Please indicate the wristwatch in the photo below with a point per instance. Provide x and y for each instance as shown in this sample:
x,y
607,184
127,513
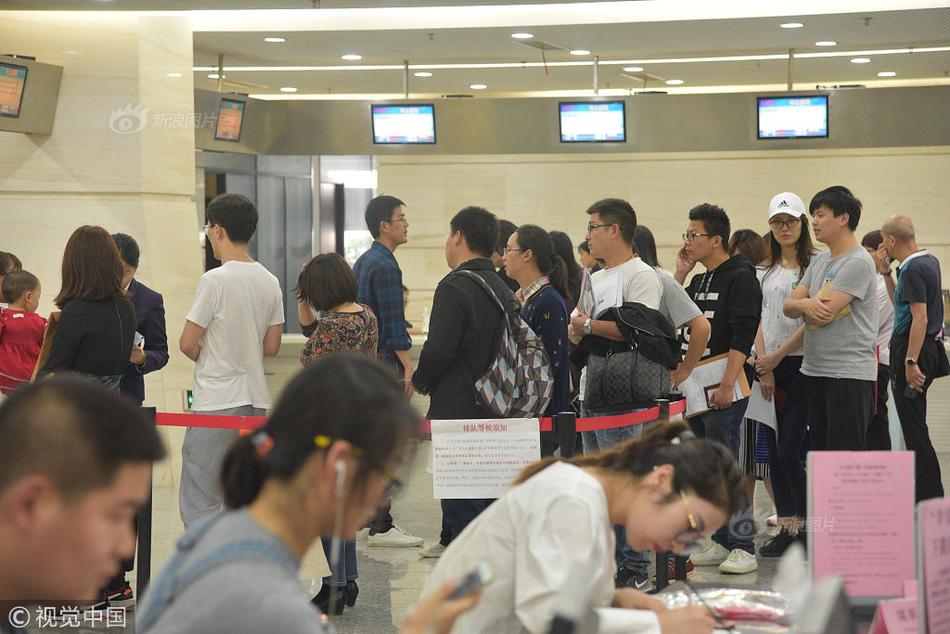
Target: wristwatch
x,y
910,361
587,327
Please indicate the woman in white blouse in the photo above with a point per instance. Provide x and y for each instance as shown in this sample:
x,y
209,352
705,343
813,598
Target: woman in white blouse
x,y
549,541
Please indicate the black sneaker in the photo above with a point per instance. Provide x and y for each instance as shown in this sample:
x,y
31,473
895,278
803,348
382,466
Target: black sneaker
x,y
124,598
777,546
631,579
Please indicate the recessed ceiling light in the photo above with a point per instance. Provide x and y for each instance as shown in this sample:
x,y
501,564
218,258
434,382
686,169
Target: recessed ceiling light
x,y
522,36
351,57
275,40
216,76
887,73
860,60
826,43
288,89
674,82
423,73
173,75
633,69
478,86
580,51
791,25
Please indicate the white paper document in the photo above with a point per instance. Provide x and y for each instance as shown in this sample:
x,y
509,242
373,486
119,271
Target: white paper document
x,y
608,292
761,410
475,459
702,382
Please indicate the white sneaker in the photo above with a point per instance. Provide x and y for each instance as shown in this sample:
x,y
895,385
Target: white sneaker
x,y
739,562
712,555
395,537
432,552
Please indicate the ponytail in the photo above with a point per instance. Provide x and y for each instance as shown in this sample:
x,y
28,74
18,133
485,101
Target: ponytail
x,y
701,466
243,473
557,274
548,262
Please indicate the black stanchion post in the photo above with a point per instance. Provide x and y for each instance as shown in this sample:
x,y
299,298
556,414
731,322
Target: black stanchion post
x,y
143,520
663,558
565,426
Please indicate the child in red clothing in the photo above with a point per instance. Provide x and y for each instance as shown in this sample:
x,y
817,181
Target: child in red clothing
x,y
21,330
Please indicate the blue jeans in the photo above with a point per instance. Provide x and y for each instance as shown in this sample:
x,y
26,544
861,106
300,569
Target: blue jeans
x,y
637,561
346,567
724,426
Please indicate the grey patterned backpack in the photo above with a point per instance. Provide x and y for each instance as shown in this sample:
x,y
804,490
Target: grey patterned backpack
x,y
519,383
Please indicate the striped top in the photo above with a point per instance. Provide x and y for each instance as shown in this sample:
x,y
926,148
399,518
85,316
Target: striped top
x,y
777,284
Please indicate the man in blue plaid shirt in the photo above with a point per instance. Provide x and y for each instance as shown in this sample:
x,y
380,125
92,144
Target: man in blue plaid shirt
x,y
379,286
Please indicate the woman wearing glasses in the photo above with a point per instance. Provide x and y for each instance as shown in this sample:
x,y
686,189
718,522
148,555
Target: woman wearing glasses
x,y
551,536
321,466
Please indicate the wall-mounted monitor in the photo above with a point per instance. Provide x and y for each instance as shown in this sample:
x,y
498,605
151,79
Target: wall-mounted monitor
x,y
793,117
230,120
12,83
592,122
403,124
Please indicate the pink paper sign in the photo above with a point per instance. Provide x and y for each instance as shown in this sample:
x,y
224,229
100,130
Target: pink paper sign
x,y
934,586
898,616
862,508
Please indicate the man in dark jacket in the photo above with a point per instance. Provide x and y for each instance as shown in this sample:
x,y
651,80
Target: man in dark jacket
x,y
463,339
729,295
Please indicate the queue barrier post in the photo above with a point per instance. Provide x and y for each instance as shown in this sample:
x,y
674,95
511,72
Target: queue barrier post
x,y
565,426
143,525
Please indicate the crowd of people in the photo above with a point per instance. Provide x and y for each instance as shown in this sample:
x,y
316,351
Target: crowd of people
x,y
819,333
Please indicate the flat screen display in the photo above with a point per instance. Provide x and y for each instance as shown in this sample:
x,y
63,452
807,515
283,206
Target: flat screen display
x,y
12,82
408,123
230,120
793,117
593,122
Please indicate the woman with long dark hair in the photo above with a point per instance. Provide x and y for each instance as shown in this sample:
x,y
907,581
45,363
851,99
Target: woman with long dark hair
x,y
95,332
564,248
321,466
542,277
551,536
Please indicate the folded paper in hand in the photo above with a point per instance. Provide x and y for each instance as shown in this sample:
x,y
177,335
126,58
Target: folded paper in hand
x,y
705,379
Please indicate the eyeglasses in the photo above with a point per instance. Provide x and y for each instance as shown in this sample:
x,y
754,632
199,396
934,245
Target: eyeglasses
x,y
509,250
689,236
689,539
784,224
393,485
591,226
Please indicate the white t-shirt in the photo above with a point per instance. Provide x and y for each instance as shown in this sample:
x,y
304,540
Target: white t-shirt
x,y
777,284
632,281
539,539
886,327
236,303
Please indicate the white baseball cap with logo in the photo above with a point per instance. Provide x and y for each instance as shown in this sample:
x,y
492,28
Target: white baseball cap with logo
x,y
786,203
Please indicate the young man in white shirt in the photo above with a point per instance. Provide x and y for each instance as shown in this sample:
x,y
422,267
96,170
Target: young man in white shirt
x,y
234,322
610,238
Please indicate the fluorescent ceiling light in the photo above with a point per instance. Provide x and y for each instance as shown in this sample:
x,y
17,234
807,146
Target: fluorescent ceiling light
x,y
826,43
522,36
887,73
288,89
633,69
861,60
674,82
478,86
580,51
351,57
173,75
216,76
791,25
423,73
275,40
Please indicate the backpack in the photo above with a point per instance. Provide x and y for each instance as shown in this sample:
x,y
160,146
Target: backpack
x,y
519,382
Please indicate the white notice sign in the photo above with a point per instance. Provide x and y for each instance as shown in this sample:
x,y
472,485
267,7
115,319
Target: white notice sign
x,y
474,459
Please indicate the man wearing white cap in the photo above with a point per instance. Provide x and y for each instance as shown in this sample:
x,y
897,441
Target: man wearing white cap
x,y
837,297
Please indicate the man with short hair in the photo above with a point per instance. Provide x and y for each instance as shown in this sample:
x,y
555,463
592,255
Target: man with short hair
x,y
917,353
75,466
879,434
729,294
463,338
612,223
837,297
505,229
234,322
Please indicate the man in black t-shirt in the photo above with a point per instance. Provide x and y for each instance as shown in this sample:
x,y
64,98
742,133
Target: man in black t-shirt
x,y
917,353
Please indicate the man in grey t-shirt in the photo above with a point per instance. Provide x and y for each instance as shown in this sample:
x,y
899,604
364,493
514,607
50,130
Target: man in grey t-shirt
x,y
837,297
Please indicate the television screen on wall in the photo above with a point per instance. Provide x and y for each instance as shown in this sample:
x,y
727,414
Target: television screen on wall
x,y
593,122
793,117
12,83
230,120
402,124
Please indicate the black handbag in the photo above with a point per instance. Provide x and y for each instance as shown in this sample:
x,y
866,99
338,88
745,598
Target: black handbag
x,y
624,379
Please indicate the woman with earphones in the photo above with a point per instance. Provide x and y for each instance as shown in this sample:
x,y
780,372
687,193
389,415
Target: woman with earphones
x,y
321,466
551,536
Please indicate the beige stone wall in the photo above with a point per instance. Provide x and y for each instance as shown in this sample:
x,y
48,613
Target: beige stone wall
x,y
555,190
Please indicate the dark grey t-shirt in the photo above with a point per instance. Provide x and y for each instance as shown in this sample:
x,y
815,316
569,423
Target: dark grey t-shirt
x,y
247,595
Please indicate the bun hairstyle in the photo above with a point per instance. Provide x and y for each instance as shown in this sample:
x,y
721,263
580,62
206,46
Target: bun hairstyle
x,y
345,396
703,467
549,263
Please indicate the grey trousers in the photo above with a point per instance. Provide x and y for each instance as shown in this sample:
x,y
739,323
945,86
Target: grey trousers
x,y
202,454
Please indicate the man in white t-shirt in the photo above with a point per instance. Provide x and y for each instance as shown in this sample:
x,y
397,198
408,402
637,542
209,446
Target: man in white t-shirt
x,y
624,278
234,322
